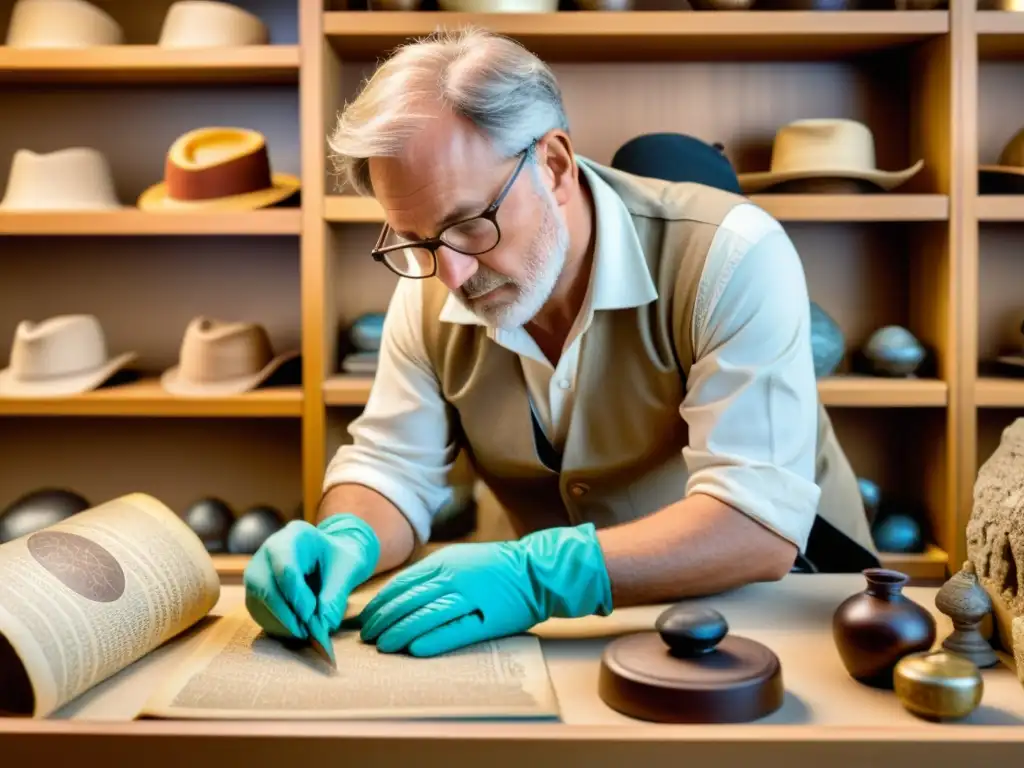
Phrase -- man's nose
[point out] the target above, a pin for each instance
(454, 268)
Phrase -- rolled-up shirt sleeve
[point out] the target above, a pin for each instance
(401, 445)
(751, 400)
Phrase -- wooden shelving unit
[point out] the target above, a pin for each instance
(934, 255)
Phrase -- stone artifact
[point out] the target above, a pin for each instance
(938, 685)
(966, 603)
(828, 344)
(876, 628)
(37, 510)
(252, 528)
(995, 533)
(211, 520)
(897, 532)
(690, 670)
(893, 351)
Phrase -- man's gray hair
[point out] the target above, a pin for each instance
(505, 90)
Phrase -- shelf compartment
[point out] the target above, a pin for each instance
(652, 35)
(1000, 207)
(151, 64)
(346, 389)
(131, 221)
(147, 398)
(1000, 34)
(997, 392)
(879, 392)
(354, 209)
(930, 564)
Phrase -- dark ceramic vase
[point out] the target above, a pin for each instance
(876, 628)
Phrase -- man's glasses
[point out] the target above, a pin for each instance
(473, 237)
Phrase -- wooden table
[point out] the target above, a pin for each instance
(827, 719)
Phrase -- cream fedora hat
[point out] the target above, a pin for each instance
(63, 355)
(223, 358)
(824, 148)
(208, 24)
(61, 24)
(72, 179)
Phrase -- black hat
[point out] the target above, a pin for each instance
(677, 157)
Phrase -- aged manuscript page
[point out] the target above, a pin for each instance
(239, 672)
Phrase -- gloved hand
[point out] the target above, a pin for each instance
(466, 593)
(340, 553)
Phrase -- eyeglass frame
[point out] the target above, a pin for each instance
(433, 243)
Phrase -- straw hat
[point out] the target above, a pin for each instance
(61, 24)
(208, 24)
(73, 179)
(220, 168)
(825, 148)
(64, 355)
(223, 358)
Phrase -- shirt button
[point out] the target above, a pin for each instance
(565, 384)
(578, 489)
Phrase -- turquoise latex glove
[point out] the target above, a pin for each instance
(466, 593)
(305, 573)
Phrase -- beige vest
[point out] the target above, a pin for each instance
(622, 455)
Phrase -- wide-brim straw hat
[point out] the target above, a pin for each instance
(825, 148)
(218, 168)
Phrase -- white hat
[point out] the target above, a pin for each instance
(824, 148)
(61, 24)
(73, 179)
(208, 24)
(63, 355)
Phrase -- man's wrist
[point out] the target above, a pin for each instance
(569, 566)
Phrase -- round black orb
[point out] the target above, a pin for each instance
(252, 528)
(691, 631)
(37, 510)
(211, 519)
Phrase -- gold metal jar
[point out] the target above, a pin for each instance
(938, 685)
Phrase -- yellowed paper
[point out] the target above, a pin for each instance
(83, 599)
(238, 672)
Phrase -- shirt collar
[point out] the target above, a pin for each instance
(620, 278)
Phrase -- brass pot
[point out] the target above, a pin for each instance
(938, 685)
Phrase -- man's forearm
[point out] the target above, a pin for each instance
(396, 535)
(697, 546)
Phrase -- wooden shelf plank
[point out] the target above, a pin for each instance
(652, 35)
(147, 398)
(879, 392)
(930, 564)
(347, 390)
(353, 209)
(994, 392)
(151, 64)
(1000, 34)
(1000, 207)
(131, 221)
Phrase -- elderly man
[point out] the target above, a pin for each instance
(626, 361)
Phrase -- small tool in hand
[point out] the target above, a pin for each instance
(319, 638)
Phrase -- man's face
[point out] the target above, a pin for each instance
(449, 172)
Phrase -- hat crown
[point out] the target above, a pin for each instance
(1012, 155)
(810, 145)
(213, 350)
(61, 24)
(75, 178)
(64, 345)
(209, 24)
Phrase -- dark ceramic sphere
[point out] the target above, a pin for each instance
(37, 510)
(252, 528)
(211, 520)
(893, 351)
(898, 532)
(828, 345)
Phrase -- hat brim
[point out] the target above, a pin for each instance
(1002, 170)
(63, 387)
(172, 381)
(284, 186)
(887, 180)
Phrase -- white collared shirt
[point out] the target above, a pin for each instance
(751, 396)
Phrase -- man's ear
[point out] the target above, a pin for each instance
(558, 164)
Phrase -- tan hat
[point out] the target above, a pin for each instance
(824, 148)
(1011, 159)
(61, 24)
(218, 168)
(73, 179)
(223, 358)
(207, 24)
(63, 355)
